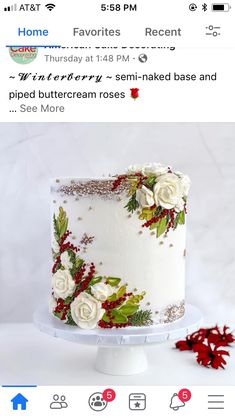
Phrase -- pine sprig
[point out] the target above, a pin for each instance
(141, 318)
(56, 230)
(70, 320)
(132, 204)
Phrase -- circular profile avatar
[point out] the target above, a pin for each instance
(23, 54)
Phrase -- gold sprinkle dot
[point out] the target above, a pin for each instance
(161, 242)
(140, 232)
(152, 233)
(135, 289)
(129, 216)
(73, 237)
(79, 218)
(101, 263)
(54, 201)
(171, 245)
(65, 201)
(77, 199)
(184, 252)
(138, 212)
(148, 303)
(90, 208)
(57, 180)
(119, 199)
(156, 312)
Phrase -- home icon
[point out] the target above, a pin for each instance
(19, 402)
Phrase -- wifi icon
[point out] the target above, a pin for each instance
(50, 6)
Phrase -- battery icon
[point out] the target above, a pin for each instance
(220, 7)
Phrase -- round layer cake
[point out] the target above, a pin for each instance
(118, 247)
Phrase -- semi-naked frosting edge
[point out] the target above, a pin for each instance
(118, 248)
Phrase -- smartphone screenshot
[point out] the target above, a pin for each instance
(117, 182)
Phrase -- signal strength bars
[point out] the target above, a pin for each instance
(12, 8)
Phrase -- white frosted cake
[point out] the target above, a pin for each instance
(119, 248)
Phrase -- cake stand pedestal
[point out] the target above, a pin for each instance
(120, 351)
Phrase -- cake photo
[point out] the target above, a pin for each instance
(118, 246)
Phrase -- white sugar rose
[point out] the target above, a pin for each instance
(63, 284)
(167, 191)
(180, 205)
(185, 183)
(86, 311)
(102, 291)
(65, 260)
(154, 169)
(144, 197)
(132, 169)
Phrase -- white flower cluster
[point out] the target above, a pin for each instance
(169, 190)
(86, 309)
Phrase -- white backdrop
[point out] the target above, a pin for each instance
(31, 153)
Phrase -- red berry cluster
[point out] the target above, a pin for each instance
(172, 219)
(68, 246)
(64, 237)
(79, 275)
(85, 283)
(109, 305)
(118, 181)
(61, 307)
(103, 324)
(156, 218)
(57, 261)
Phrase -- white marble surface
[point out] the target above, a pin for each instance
(28, 356)
(32, 153)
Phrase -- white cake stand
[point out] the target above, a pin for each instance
(120, 351)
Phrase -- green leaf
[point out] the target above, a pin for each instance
(182, 218)
(68, 300)
(132, 204)
(153, 226)
(121, 291)
(176, 221)
(56, 230)
(150, 182)
(135, 299)
(62, 222)
(128, 309)
(119, 318)
(95, 280)
(162, 225)
(72, 256)
(58, 314)
(113, 297)
(147, 214)
(113, 281)
(78, 263)
(105, 317)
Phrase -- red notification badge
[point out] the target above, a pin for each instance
(109, 395)
(184, 395)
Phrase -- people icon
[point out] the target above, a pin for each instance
(62, 402)
(58, 402)
(97, 402)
